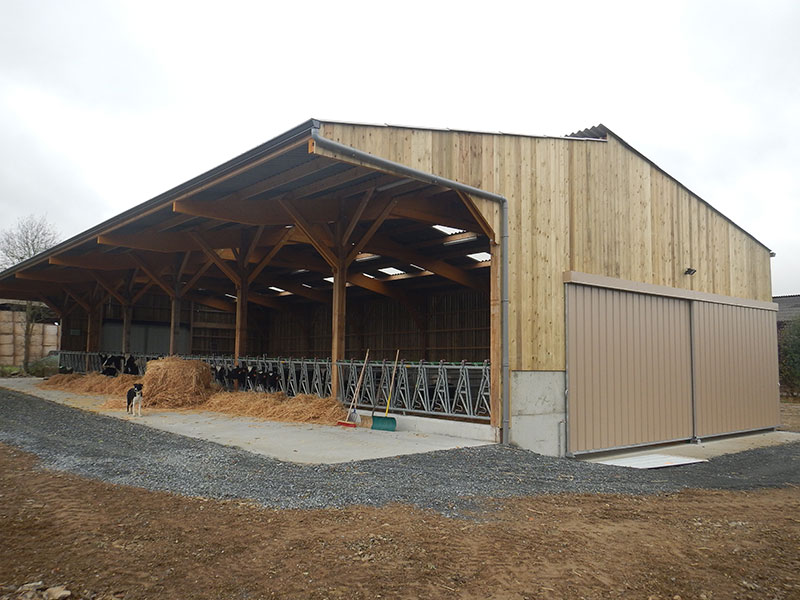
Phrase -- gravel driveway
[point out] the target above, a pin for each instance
(450, 481)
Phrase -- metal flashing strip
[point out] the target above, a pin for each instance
(653, 289)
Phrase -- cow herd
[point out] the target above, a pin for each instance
(243, 377)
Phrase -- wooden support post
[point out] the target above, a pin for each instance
(240, 343)
(127, 315)
(94, 317)
(338, 323)
(174, 324)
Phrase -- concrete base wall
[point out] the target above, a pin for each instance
(458, 429)
(539, 411)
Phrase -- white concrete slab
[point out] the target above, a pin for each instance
(650, 461)
(295, 442)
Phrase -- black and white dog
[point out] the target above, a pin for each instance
(135, 399)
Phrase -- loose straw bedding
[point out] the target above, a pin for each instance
(175, 383)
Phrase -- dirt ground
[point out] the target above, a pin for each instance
(104, 541)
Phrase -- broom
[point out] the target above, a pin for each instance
(352, 415)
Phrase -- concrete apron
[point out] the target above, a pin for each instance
(705, 449)
(293, 442)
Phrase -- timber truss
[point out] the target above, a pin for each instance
(277, 227)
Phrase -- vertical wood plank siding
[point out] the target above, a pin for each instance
(629, 369)
(736, 375)
(588, 206)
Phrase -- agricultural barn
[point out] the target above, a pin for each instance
(561, 293)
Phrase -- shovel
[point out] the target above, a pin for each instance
(387, 423)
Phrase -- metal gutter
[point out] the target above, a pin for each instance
(406, 171)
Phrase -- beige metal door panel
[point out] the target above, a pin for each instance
(736, 377)
(629, 369)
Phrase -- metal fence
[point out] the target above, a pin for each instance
(420, 388)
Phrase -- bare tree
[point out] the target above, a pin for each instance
(29, 237)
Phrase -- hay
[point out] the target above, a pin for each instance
(173, 382)
(92, 383)
(303, 408)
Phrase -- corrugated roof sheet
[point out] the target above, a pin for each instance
(598, 132)
(788, 307)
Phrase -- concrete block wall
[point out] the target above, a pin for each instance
(538, 411)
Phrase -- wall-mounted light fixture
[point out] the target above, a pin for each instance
(690, 271)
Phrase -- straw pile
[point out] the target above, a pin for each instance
(92, 383)
(303, 408)
(173, 382)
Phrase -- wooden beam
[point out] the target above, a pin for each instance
(298, 289)
(263, 300)
(174, 324)
(84, 304)
(387, 247)
(312, 234)
(254, 243)
(54, 276)
(362, 205)
(477, 215)
(338, 322)
(229, 271)
(212, 302)
(101, 262)
(138, 295)
(178, 241)
(184, 263)
(240, 342)
(198, 274)
(265, 260)
(109, 288)
(354, 251)
(52, 305)
(153, 275)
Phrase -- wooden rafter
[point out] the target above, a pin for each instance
(101, 262)
(138, 295)
(109, 287)
(223, 266)
(386, 247)
(354, 251)
(153, 275)
(270, 255)
(312, 233)
(362, 205)
(198, 274)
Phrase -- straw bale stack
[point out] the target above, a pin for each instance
(173, 382)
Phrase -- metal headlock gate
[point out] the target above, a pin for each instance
(440, 389)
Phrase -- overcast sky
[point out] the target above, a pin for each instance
(106, 104)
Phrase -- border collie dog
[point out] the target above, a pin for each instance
(135, 399)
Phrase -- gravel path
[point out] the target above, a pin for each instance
(451, 481)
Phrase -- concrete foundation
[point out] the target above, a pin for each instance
(539, 411)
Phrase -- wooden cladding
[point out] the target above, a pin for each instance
(645, 368)
(577, 205)
(456, 328)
